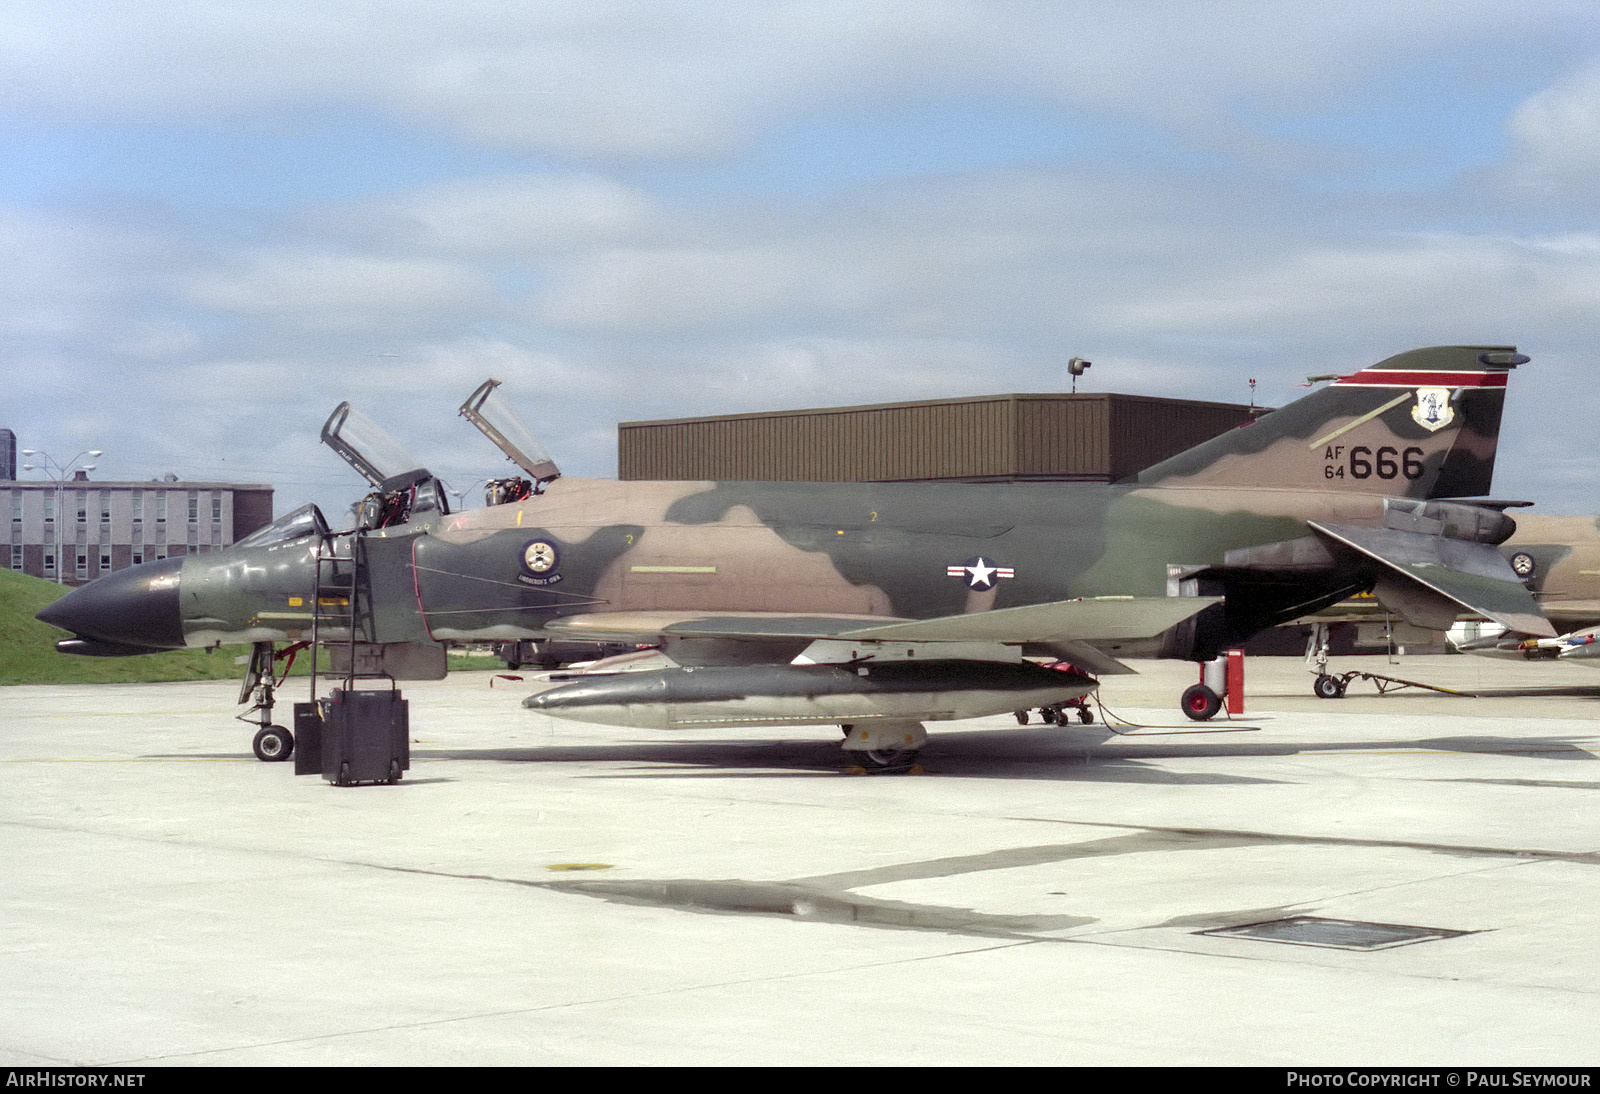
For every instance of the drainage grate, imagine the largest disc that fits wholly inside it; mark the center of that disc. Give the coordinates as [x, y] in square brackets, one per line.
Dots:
[1336, 934]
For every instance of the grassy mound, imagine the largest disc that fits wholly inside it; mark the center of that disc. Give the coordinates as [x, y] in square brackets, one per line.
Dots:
[28, 654]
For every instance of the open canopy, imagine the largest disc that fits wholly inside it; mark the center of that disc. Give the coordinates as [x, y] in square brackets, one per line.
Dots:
[375, 455]
[486, 409]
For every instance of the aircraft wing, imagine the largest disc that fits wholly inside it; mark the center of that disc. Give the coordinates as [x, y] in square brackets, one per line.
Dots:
[1472, 575]
[645, 626]
[1068, 627]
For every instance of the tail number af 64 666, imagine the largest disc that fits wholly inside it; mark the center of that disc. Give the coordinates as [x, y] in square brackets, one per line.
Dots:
[1361, 462]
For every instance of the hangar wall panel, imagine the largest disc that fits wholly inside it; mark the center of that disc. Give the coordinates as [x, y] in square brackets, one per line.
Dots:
[1088, 437]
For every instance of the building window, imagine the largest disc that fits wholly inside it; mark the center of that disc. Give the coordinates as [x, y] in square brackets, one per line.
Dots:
[105, 562]
[50, 508]
[49, 564]
[83, 564]
[16, 556]
[138, 558]
[16, 505]
[216, 535]
[194, 506]
[216, 507]
[83, 506]
[136, 499]
[161, 507]
[105, 507]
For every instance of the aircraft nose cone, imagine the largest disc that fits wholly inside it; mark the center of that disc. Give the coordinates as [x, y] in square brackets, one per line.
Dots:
[133, 607]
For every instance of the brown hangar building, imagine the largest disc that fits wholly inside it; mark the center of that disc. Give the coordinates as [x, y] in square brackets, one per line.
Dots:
[1092, 437]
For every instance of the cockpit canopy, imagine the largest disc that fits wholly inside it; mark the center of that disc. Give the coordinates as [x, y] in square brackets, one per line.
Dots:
[488, 410]
[403, 490]
[303, 522]
[376, 456]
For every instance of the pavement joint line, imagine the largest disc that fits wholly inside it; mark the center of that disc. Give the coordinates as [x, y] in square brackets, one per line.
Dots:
[1583, 857]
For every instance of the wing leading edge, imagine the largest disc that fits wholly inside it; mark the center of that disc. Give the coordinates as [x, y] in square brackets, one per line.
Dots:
[1090, 619]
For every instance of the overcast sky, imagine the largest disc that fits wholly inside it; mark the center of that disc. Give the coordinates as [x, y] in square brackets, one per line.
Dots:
[218, 219]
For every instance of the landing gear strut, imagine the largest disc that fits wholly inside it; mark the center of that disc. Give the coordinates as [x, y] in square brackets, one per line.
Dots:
[1326, 686]
[273, 743]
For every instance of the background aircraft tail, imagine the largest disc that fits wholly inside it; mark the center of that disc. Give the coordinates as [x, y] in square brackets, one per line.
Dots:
[1421, 424]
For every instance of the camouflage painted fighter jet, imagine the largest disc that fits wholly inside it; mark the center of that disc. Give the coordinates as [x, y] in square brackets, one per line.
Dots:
[877, 607]
[1558, 558]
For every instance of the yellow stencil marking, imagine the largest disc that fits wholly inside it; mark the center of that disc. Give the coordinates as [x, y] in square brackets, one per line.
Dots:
[1363, 420]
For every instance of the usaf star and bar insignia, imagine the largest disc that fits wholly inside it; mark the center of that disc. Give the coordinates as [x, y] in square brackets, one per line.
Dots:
[980, 573]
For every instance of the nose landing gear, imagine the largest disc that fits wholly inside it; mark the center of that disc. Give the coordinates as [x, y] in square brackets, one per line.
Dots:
[273, 743]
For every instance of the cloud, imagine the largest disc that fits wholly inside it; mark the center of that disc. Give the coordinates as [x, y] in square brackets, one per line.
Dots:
[65, 280]
[1483, 287]
[498, 216]
[1556, 135]
[635, 211]
[328, 291]
[619, 80]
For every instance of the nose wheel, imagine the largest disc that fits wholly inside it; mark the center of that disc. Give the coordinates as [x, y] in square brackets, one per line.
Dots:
[273, 744]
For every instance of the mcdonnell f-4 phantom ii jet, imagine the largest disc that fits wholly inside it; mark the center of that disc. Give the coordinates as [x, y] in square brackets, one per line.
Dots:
[876, 607]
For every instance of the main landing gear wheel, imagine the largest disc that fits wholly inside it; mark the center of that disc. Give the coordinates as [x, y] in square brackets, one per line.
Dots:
[886, 760]
[1328, 687]
[1200, 703]
[273, 744]
[884, 745]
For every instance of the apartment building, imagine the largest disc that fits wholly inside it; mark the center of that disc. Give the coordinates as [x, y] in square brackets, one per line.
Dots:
[77, 530]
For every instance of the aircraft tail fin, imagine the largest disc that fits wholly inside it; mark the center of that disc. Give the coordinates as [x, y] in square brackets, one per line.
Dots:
[1421, 424]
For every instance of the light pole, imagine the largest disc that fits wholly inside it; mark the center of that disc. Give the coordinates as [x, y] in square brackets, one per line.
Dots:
[57, 473]
[461, 495]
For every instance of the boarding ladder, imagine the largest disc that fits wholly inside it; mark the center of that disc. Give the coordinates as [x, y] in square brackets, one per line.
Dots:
[336, 602]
